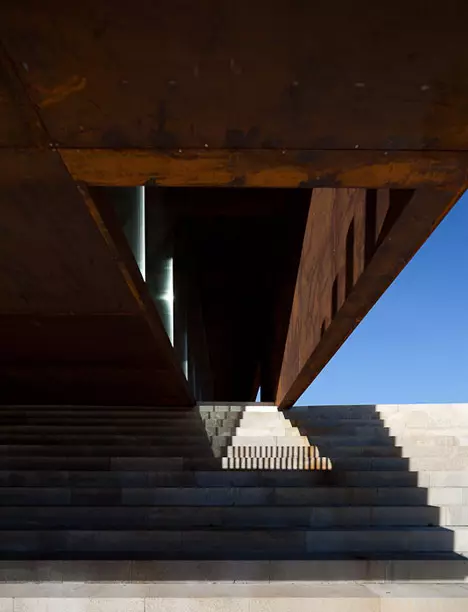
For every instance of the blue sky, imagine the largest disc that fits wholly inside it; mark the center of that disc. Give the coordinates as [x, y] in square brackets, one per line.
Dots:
[413, 345]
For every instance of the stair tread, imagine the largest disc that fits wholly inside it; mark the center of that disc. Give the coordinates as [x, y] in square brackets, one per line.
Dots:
[263, 529]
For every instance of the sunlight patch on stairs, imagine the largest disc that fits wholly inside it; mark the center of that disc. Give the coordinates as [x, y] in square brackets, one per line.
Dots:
[265, 440]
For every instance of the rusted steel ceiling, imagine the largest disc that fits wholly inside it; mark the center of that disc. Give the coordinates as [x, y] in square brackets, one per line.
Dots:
[240, 94]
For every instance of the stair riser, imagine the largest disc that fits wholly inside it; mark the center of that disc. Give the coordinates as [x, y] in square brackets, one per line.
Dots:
[267, 431]
[203, 450]
[23, 518]
[86, 439]
[410, 422]
[335, 452]
[279, 450]
[107, 463]
[369, 463]
[216, 496]
[337, 420]
[101, 416]
[342, 412]
[262, 544]
[269, 441]
[291, 579]
[364, 440]
[432, 452]
[121, 423]
[173, 436]
[315, 429]
[434, 464]
[434, 440]
[11, 453]
[224, 478]
[199, 450]
[277, 463]
[109, 410]
[58, 431]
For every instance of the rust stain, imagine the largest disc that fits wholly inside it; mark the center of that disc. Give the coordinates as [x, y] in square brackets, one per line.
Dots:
[277, 177]
[105, 167]
[260, 168]
[403, 173]
[61, 92]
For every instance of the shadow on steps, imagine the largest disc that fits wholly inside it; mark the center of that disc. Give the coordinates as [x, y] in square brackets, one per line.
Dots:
[172, 505]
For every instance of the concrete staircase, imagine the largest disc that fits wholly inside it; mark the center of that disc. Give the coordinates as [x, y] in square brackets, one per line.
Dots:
[143, 484]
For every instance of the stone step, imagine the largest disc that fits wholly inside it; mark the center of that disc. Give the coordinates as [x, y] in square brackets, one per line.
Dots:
[233, 405]
[196, 429]
[291, 462]
[261, 420]
[220, 428]
[256, 408]
[435, 428]
[223, 438]
[277, 451]
[226, 517]
[426, 450]
[426, 415]
[426, 408]
[265, 414]
[233, 417]
[428, 433]
[415, 464]
[380, 450]
[331, 421]
[343, 451]
[270, 441]
[406, 451]
[443, 478]
[365, 463]
[205, 409]
[389, 464]
[267, 431]
[110, 416]
[148, 439]
[217, 478]
[247, 594]
[200, 449]
[103, 412]
[434, 464]
[172, 410]
[430, 439]
[341, 430]
[335, 419]
[343, 412]
[177, 415]
[367, 473]
[202, 495]
[291, 579]
[130, 421]
[107, 463]
[375, 439]
[241, 543]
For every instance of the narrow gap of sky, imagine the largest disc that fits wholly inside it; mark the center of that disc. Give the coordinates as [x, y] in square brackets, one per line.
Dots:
[412, 347]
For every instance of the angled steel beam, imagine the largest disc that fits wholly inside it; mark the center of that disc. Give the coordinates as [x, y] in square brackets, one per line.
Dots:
[355, 244]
